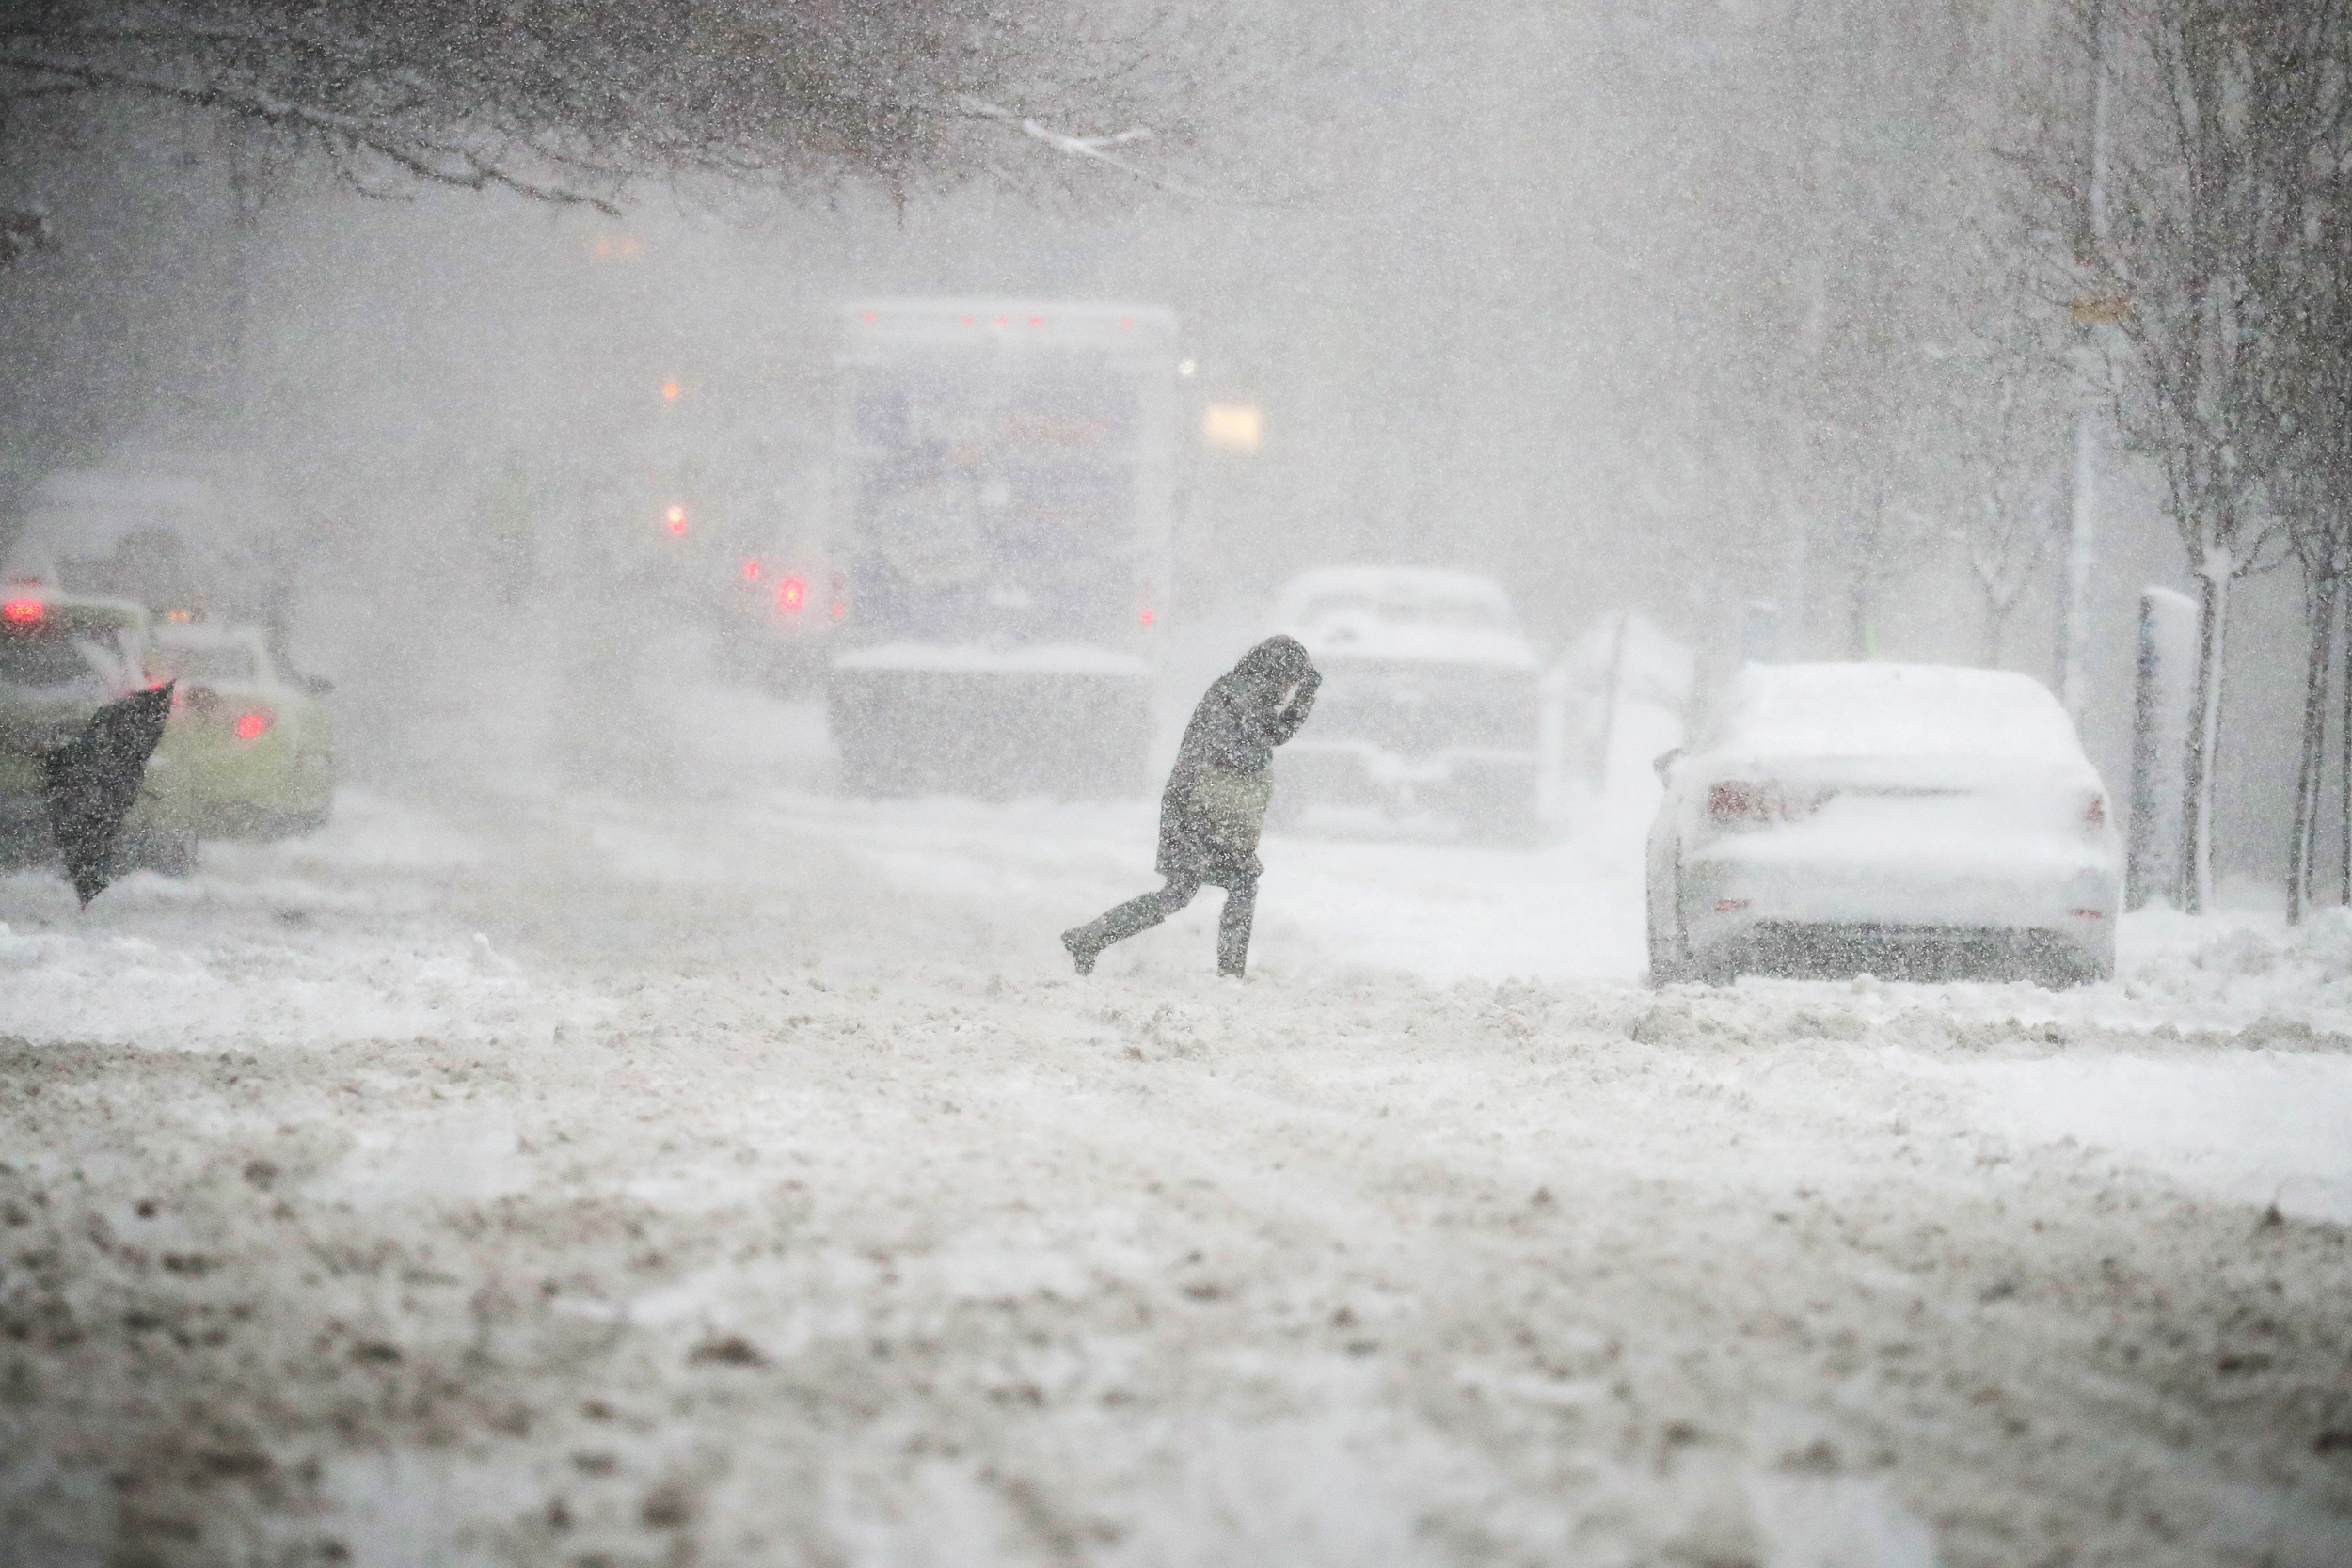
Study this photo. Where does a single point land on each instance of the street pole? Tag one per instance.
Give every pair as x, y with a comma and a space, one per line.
2082, 535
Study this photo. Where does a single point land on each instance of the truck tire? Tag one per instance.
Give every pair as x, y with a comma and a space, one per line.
2065, 971
1666, 967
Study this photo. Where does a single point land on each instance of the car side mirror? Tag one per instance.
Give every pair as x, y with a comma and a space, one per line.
1665, 763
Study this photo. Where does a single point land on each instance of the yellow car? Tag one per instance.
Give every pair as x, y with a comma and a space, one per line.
259, 744
62, 657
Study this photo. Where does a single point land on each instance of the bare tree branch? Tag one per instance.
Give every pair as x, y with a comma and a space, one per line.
572, 103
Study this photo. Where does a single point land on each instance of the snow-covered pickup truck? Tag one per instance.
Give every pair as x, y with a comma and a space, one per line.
1429, 699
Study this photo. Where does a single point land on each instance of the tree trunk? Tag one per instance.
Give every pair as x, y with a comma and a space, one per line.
2343, 770
2320, 611
2204, 734
1862, 589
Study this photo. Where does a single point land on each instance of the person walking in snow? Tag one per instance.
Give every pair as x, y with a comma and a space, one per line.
1214, 804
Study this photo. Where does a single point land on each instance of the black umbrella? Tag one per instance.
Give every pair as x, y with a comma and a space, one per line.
90, 783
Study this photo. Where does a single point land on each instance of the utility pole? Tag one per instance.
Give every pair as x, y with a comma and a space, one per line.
2082, 534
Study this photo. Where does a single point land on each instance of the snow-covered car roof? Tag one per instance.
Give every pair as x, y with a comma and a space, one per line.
223, 654
1404, 612
1799, 711
209, 634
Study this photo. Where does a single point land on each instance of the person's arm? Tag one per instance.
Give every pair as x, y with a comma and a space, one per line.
1219, 735
1293, 711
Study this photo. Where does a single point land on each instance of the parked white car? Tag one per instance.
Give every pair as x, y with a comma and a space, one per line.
1903, 820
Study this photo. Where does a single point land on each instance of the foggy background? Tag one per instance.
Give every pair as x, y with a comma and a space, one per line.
1666, 308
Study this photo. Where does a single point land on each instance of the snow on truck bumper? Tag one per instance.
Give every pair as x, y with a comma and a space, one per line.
1734, 894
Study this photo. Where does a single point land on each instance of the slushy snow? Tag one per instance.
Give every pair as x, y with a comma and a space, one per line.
729, 1172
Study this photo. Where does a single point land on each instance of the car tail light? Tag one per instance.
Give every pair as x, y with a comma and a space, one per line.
252, 725
1737, 800
791, 594
21, 613
750, 571
841, 607
675, 519
1148, 616
1744, 802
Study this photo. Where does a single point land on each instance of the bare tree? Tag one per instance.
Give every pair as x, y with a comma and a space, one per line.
574, 102
1999, 392
2310, 289
2217, 109
2008, 516
2319, 549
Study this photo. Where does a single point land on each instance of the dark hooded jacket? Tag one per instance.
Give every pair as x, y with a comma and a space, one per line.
1215, 803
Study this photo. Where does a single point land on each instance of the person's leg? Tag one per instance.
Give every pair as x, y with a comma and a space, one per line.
1118, 925
1233, 928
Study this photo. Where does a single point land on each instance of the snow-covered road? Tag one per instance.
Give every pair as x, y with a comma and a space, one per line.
733, 1174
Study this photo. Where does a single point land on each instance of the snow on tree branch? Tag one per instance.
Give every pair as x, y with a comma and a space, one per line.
573, 103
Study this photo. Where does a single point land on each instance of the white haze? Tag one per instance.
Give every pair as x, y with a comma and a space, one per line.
609, 1142
1570, 297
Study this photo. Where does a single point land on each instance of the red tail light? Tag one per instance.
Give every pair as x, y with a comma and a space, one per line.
1739, 802
1743, 803
676, 518
841, 607
252, 726
1148, 616
21, 613
791, 594
750, 571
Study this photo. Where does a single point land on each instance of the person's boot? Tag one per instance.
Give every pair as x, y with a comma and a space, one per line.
1233, 931
1083, 951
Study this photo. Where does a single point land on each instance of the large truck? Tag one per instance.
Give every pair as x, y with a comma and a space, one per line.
1004, 482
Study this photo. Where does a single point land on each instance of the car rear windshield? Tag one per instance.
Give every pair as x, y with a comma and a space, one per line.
211, 664
45, 658
1863, 711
